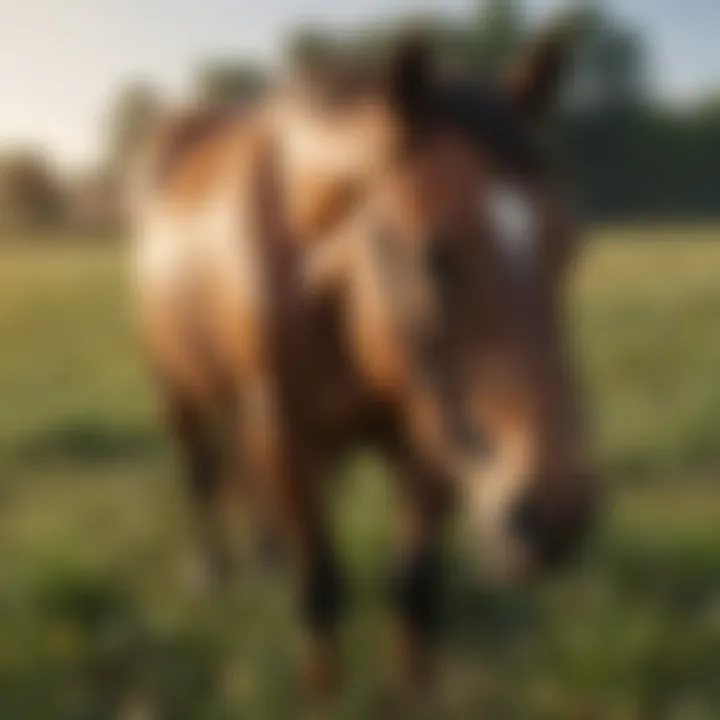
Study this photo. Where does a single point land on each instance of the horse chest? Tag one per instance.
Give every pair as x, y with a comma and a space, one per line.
329, 396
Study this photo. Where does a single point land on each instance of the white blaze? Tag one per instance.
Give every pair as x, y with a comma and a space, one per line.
513, 220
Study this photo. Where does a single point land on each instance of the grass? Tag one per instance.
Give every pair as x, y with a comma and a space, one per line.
94, 622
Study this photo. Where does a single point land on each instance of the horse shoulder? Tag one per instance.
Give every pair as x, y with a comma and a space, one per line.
195, 260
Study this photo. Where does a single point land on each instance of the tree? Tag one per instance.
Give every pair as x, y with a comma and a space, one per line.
611, 71
310, 48
31, 196
222, 83
496, 34
136, 109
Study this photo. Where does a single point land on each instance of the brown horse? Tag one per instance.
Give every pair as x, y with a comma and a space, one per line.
382, 265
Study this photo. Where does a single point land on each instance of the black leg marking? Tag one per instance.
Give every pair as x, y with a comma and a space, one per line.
322, 593
417, 592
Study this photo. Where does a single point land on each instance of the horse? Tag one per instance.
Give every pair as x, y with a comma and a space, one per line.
386, 266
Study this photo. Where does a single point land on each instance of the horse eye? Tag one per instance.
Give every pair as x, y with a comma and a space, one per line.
443, 265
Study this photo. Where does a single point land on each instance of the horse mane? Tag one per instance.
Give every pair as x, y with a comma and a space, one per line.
476, 108
336, 86
336, 83
177, 134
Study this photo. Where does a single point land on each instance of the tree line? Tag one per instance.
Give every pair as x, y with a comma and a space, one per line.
627, 156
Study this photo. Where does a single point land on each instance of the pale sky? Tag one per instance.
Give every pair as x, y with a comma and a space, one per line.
61, 61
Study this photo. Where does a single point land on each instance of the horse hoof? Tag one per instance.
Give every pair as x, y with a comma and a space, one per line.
321, 671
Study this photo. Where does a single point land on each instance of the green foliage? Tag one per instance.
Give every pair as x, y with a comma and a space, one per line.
308, 47
228, 83
133, 113
496, 36
31, 196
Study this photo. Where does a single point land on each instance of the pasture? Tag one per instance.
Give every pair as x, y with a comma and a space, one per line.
96, 623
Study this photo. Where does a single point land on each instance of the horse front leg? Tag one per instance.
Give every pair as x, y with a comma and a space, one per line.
289, 497
193, 427
417, 579
321, 602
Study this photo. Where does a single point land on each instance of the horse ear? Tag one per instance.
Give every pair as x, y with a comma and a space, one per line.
409, 75
534, 81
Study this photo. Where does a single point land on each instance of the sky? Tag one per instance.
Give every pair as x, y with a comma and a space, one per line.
62, 61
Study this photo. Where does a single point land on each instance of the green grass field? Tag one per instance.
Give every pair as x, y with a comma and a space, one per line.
95, 622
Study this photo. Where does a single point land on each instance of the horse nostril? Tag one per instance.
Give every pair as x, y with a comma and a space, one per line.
526, 521
547, 538
551, 534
